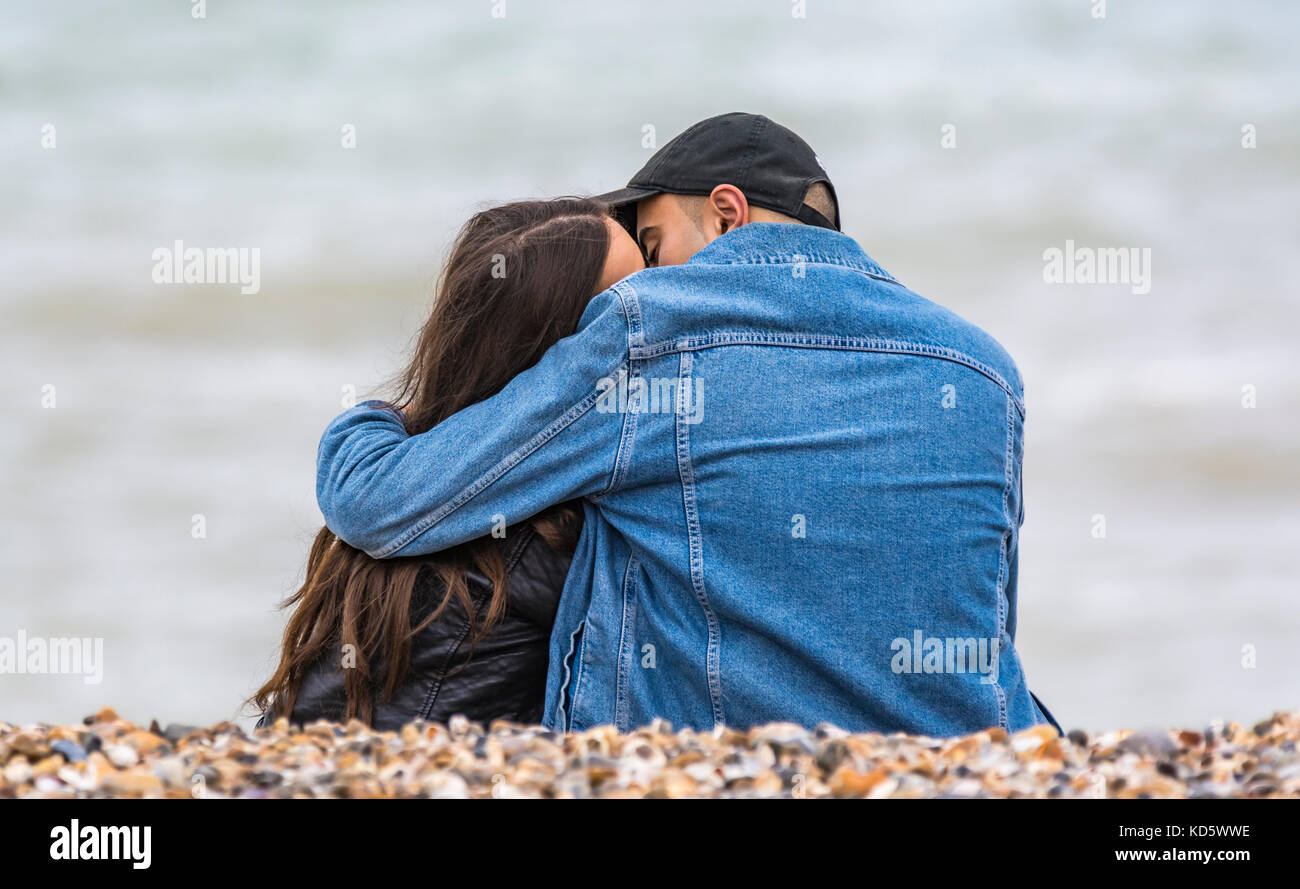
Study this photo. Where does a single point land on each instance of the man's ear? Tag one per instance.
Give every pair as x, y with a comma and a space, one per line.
728, 208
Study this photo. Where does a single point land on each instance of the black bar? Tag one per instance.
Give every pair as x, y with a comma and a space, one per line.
231, 838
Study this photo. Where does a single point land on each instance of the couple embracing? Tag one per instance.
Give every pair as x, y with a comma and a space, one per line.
681, 451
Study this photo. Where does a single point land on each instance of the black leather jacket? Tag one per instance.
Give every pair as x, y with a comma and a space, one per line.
505, 677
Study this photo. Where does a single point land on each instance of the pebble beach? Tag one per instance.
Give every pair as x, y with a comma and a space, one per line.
108, 756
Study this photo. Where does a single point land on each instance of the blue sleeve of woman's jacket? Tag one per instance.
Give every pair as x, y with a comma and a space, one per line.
538, 442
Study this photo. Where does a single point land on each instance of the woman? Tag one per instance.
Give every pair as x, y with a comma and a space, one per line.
466, 630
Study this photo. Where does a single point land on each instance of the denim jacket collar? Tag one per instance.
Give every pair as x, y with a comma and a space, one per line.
777, 242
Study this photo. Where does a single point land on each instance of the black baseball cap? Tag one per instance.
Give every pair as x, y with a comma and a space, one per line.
768, 162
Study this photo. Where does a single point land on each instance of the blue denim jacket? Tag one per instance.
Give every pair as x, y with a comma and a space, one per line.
801, 485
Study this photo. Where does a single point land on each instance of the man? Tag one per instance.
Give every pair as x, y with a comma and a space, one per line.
801, 481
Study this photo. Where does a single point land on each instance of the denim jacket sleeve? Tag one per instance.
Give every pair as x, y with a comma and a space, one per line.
537, 442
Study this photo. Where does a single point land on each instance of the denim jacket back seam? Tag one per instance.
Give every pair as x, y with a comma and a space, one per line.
825, 341
686, 471
808, 259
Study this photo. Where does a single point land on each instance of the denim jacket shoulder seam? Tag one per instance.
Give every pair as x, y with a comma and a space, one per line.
631, 312
627, 434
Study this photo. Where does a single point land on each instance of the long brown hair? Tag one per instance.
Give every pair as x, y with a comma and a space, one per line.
516, 280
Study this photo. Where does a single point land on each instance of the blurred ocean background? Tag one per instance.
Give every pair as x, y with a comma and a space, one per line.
178, 400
